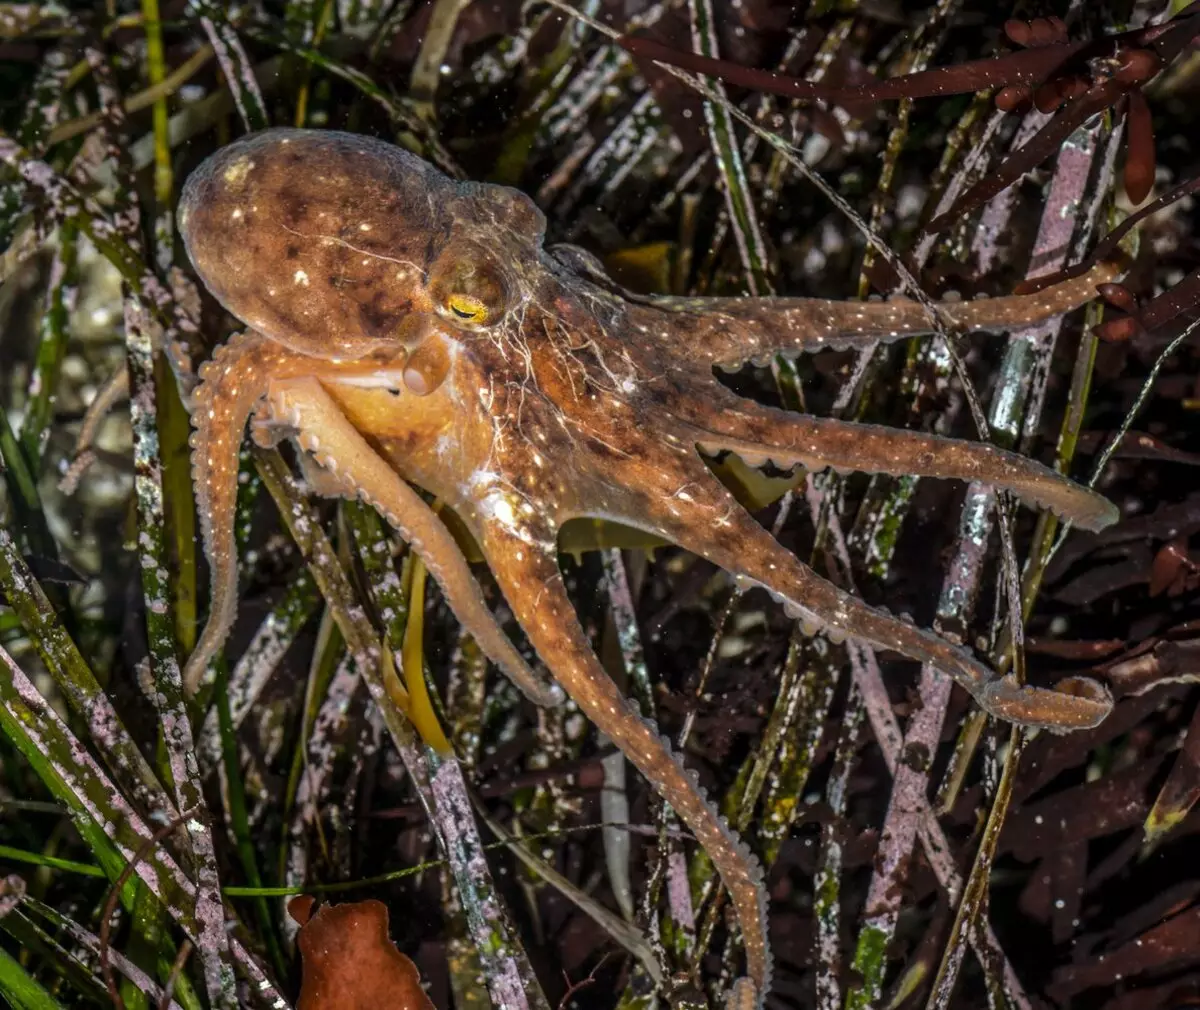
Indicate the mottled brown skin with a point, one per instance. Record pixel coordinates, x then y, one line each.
407 328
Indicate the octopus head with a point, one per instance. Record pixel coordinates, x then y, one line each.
345 248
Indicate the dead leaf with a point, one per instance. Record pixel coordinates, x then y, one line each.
349 961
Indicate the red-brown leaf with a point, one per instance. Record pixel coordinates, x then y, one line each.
1139 156
350 963
1171 566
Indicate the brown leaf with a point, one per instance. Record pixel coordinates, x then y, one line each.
1171 567
1109 245
1181 790
1073 649
1096 809
1119 296
350 963
1012 97
1119 331
1140 445
1178 300
1139 148
1166 662
1169 943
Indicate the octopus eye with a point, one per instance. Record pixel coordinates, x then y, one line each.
467 287
468 308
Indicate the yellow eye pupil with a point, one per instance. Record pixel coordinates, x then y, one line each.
466 307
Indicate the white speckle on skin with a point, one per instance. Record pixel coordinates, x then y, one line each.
502 510
236 173
300 277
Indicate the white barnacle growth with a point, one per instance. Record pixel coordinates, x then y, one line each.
300 277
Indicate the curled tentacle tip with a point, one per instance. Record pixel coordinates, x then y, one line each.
1107 514
544 694
1073 703
1082 507
1097 513
195 670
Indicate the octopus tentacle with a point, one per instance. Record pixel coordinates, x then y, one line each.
114 389
710 522
524 563
758 433
336 445
268 433
230 385
731 331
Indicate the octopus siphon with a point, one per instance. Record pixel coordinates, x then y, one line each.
407 330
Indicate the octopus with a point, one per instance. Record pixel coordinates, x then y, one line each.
409 332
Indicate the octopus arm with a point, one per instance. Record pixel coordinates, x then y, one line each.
525 566
241 373
230 385
731 331
758 433
337 446
707 520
